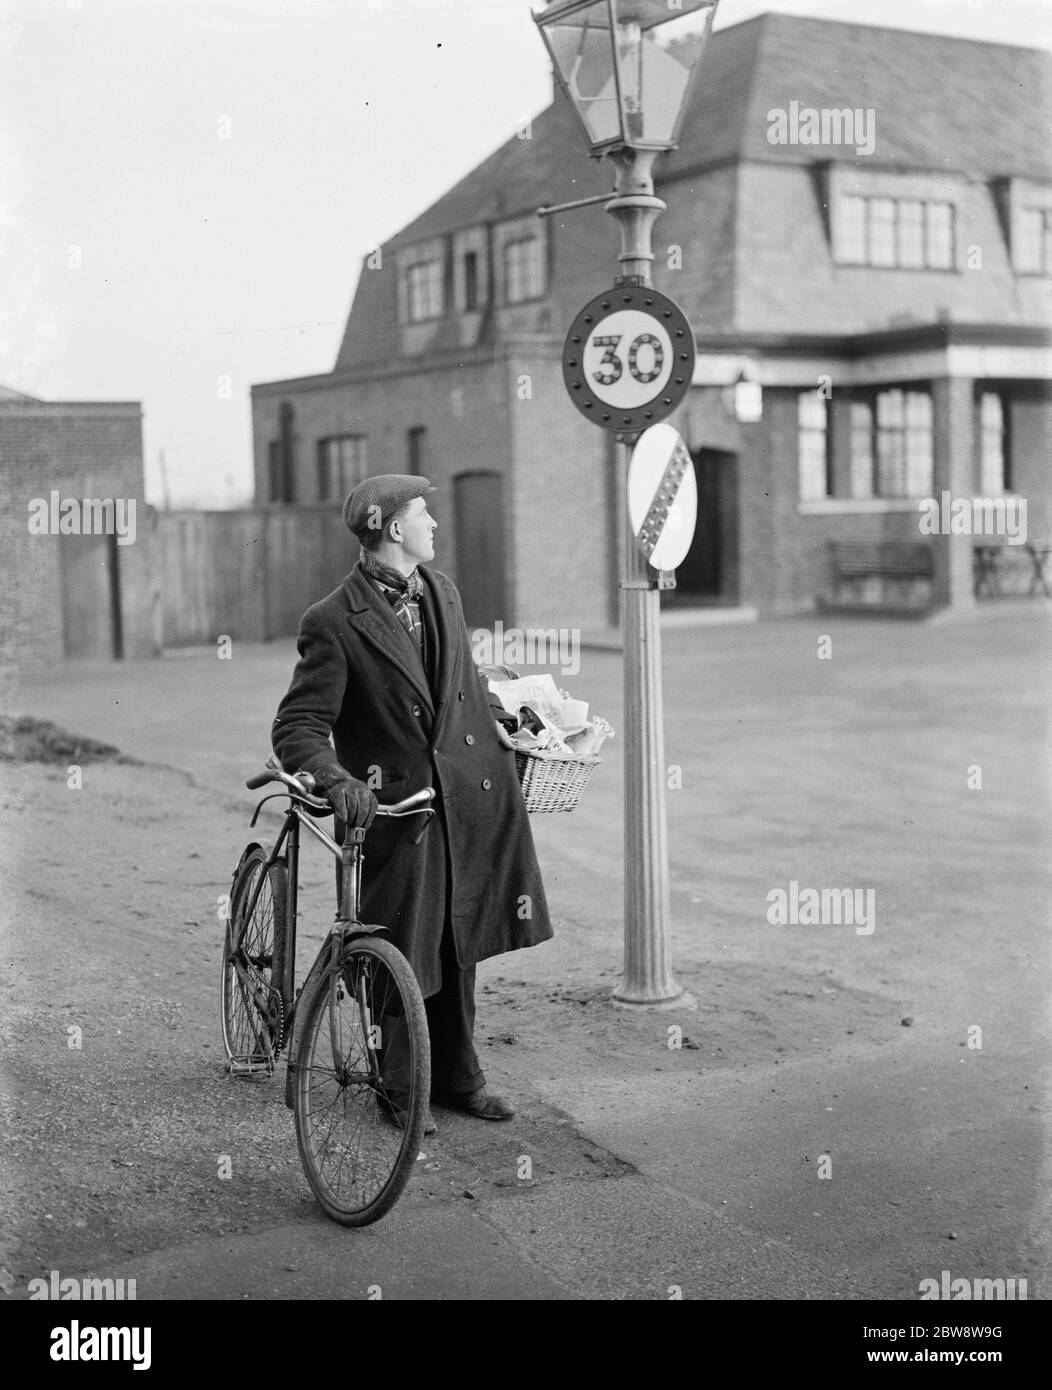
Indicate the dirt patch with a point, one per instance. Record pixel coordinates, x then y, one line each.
29 740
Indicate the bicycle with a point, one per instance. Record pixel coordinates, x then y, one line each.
359 1063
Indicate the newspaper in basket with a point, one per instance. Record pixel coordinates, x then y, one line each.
556 744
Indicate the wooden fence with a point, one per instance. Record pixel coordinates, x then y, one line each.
248 574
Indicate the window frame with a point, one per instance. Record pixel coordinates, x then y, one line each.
902 430
415 445
1005 438
861 254
471 282
512 244
1043 241
352 464
433 268
807 430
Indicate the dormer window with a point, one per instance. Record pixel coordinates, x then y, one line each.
1033 252
471 269
424 291
896 233
524 276
471 281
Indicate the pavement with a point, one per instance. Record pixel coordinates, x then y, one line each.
846 1115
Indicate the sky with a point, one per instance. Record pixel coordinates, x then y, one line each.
188 186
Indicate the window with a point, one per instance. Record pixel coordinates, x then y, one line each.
471 281
861 449
904 233
415 438
424 291
813 446
279 480
894 459
911 235
940 236
920 444
1033 253
523 270
341 465
994 470
853 230
882 249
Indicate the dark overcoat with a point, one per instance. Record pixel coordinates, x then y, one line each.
361 678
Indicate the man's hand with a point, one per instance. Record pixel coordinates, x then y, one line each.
352 801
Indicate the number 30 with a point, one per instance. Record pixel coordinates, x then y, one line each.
612 363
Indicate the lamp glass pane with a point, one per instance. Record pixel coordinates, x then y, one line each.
656 61
583 52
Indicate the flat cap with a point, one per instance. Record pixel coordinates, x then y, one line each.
375 500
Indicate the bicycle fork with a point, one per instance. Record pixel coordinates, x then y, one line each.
347 917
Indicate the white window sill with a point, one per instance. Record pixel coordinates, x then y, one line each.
858 506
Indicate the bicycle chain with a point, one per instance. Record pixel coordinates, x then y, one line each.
275 999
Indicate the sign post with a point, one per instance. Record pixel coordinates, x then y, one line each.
628 362
627 70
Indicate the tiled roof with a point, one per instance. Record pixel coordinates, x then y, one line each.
939 102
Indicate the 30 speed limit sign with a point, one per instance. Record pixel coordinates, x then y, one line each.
628 358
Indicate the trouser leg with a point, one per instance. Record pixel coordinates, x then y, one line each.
451 1024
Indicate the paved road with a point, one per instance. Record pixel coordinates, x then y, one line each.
652 1169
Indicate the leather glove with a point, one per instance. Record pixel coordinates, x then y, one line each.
352 801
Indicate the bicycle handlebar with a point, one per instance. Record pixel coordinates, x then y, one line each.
298 785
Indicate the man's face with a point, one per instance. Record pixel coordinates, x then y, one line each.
417 529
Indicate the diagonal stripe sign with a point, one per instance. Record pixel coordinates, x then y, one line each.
662 497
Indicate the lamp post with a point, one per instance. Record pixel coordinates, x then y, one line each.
627 68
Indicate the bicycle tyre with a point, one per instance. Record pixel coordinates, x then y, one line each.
340 1119
250 1042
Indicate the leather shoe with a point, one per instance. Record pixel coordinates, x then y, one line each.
483 1104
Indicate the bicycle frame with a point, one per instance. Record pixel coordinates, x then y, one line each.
347 913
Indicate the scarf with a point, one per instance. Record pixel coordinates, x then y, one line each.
408 586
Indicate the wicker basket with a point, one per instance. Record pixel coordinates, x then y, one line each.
552 781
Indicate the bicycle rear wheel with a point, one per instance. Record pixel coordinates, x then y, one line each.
252 1008
363 1078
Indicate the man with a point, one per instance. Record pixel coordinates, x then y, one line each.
386 667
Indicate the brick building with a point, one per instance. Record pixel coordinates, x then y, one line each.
72 586
859 229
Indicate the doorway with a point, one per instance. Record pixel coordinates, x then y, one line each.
709 572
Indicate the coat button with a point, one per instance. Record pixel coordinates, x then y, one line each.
486 784
416 710
469 738
460 694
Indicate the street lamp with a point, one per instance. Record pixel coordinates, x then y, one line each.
627 68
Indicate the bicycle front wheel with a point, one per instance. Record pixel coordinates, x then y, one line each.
363 1079
253 961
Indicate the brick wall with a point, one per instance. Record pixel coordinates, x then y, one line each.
463 409
559 532
80 450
